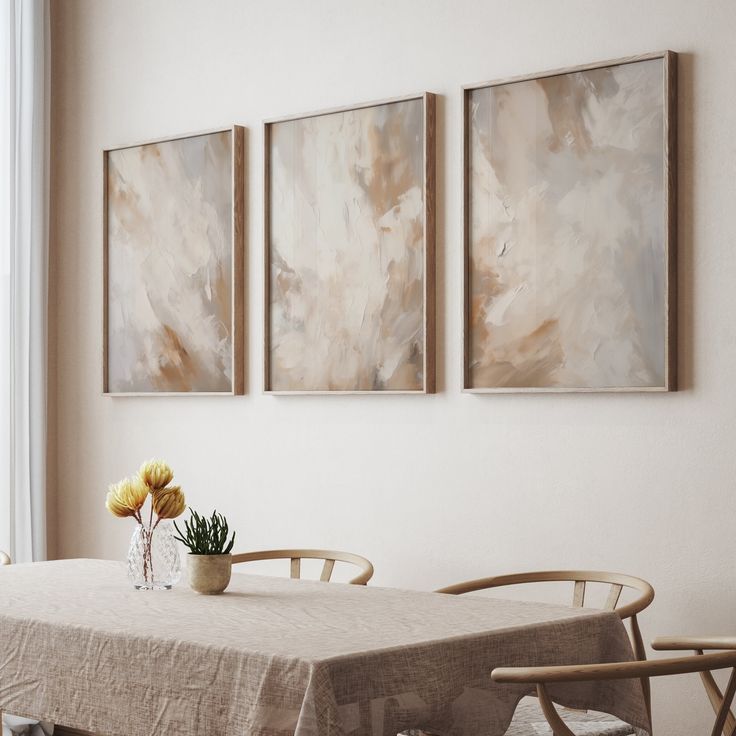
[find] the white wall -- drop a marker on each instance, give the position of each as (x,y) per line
(434,489)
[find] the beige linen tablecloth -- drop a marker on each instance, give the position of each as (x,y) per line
(274,656)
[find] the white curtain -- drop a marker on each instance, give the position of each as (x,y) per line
(24,79)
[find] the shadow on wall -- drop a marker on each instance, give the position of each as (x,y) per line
(685,220)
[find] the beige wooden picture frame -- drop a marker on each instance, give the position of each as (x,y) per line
(236,282)
(669,225)
(428,165)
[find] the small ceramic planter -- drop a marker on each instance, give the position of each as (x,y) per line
(209,574)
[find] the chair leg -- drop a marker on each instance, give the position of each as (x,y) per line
(640,653)
(716,700)
(559,727)
(719,727)
(365,717)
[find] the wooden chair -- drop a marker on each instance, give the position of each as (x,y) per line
(4,559)
(528,711)
(705,664)
(616,581)
(296,556)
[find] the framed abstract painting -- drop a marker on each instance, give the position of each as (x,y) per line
(570,229)
(173,265)
(349,249)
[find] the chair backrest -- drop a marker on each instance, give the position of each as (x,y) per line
(4,559)
(616,581)
(580,578)
(330,557)
(702,647)
(705,664)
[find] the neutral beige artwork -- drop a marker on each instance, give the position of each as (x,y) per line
(348,250)
(567,240)
(170,266)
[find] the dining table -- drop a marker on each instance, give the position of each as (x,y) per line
(275,656)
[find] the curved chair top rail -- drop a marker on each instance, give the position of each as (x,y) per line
(330,557)
(616,580)
(4,559)
(615,670)
(696,643)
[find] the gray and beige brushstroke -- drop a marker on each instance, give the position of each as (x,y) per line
(347,250)
(170,267)
(567,244)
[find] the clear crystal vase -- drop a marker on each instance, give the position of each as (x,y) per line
(153,558)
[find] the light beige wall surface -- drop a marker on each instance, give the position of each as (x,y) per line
(434,489)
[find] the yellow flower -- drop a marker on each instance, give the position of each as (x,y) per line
(168,503)
(116,507)
(133,492)
(156,474)
(126,497)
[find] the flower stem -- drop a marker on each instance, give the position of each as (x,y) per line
(148,549)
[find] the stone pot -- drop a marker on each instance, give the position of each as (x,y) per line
(209,574)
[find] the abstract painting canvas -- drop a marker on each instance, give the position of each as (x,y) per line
(569,230)
(350,249)
(173,266)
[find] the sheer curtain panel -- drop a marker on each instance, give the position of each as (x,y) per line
(24,77)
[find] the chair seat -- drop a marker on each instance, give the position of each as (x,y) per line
(530,721)
(16,726)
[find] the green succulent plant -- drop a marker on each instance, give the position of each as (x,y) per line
(205,536)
